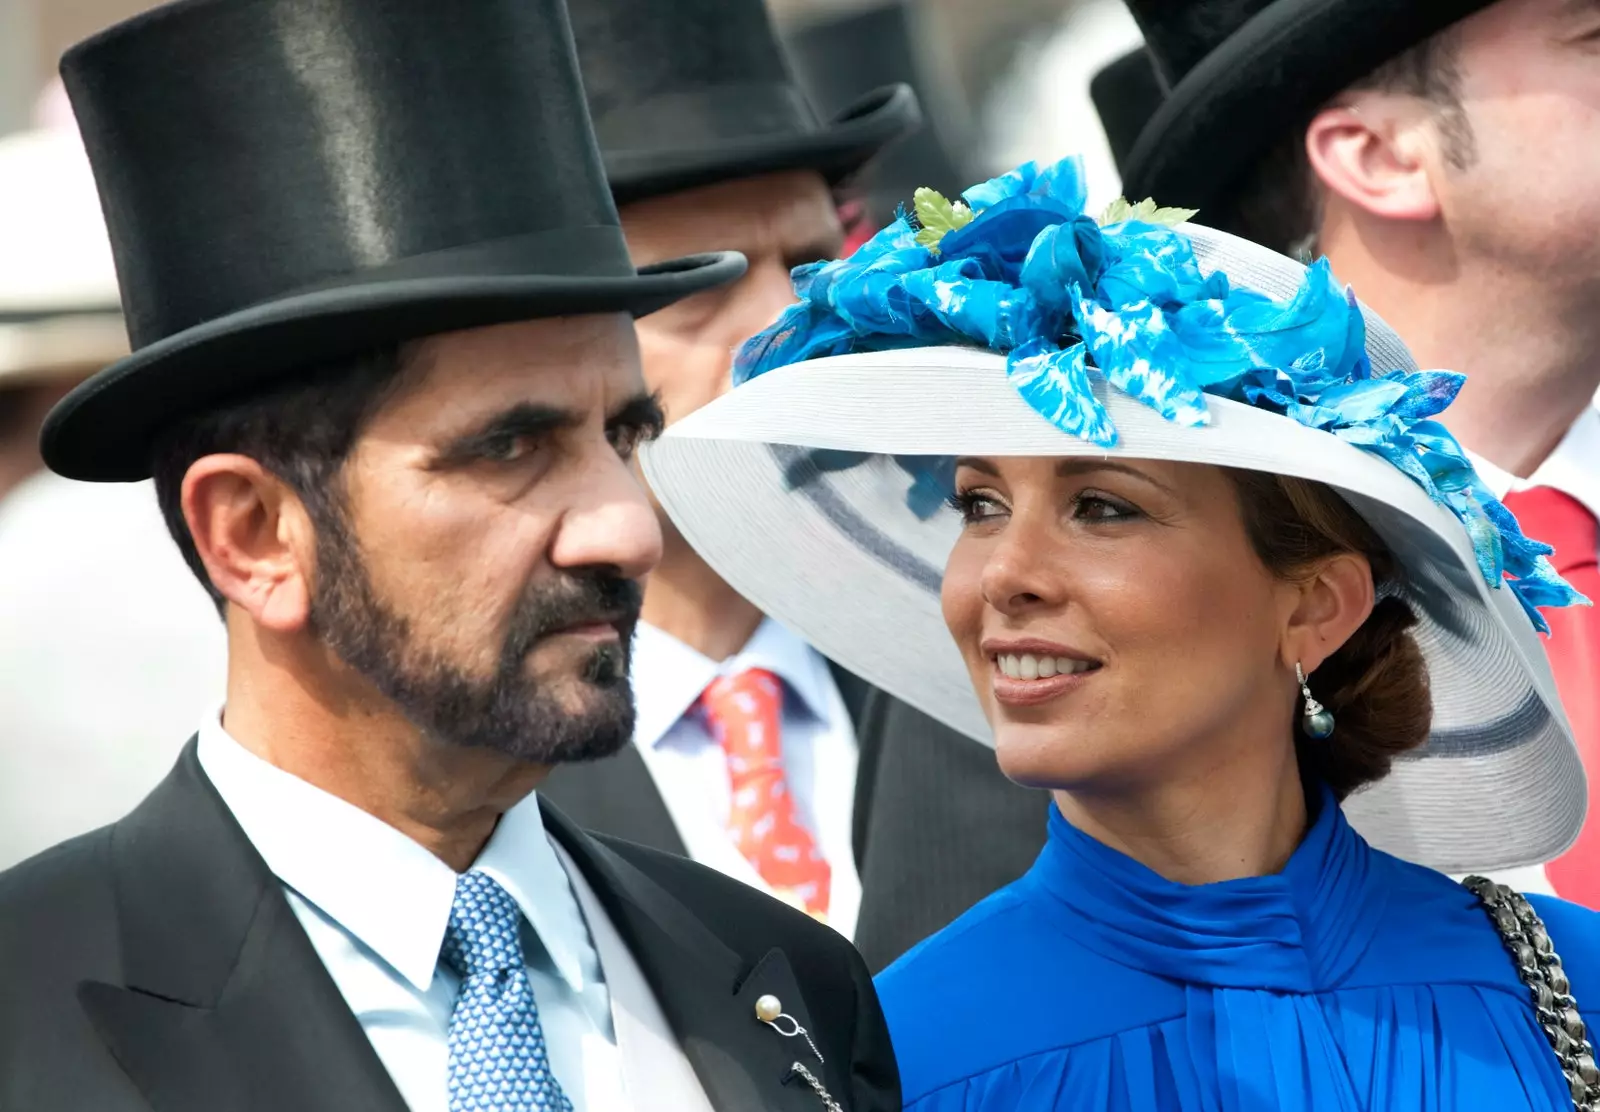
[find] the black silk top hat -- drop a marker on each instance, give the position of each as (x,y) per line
(689,92)
(841,57)
(287,183)
(1235,75)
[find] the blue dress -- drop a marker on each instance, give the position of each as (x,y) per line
(1352,980)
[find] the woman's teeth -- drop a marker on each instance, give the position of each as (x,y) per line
(1030,667)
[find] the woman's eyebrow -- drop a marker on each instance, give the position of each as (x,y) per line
(1071,466)
(1068,467)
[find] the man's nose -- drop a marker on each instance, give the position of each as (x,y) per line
(611,524)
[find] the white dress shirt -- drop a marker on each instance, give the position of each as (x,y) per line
(375,905)
(691,772)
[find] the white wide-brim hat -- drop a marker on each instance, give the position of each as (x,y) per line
(839,557)
(60,311)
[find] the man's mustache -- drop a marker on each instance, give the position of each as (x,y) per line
(593,598)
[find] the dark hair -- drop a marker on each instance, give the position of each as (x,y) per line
(1278,201)
(301,431)
(1376,683)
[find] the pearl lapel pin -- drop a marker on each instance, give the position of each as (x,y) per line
(769,1010)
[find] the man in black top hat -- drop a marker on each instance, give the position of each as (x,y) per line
(1443,156)
(859,809)
(385,377)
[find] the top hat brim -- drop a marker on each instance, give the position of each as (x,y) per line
(1265,79)
(104,430)
(836,150)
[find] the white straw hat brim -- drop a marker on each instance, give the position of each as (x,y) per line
(840,558)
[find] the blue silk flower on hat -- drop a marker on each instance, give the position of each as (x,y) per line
(1018,267)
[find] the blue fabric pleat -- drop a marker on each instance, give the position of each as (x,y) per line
(1349,982)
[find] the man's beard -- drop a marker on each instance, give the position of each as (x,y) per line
(507,712)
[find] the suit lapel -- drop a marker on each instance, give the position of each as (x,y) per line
(225,1006)
(707,992)
(618,796)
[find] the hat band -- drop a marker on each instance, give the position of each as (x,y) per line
(588,251)
(707,115)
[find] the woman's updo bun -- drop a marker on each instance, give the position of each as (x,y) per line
(1376,684)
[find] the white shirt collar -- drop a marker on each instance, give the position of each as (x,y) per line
(1573,468)
(668,675)
(384,889)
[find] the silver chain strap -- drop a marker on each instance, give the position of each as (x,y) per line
(1539,966)
(816,1086)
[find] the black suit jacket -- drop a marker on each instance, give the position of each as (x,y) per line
(155,966)
(936,826)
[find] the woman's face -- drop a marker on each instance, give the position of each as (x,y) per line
(1118,625)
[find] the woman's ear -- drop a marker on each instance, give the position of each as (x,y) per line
(1331,605)
(254,537)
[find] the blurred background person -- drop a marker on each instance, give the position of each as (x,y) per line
(1443,159)
(107,653)
(1042,108)
(753,754)
(59,316)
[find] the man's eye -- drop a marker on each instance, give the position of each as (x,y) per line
(507,448)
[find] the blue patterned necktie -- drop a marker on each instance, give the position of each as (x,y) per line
(498,1057)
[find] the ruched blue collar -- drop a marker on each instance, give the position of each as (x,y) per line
(1301,930)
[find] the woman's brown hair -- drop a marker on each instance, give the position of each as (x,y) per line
(1376,683)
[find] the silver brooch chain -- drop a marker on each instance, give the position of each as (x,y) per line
(1539,966)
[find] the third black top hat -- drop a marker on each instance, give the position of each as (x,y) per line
(840,57)
(1238,74)
(289,182)
(689,92)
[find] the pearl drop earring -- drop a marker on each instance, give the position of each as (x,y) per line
(1316,720)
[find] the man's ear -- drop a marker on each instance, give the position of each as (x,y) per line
(1331,605)
(1376,152)
(255,538)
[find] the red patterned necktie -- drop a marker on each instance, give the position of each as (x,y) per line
(1574,651)
(745,714)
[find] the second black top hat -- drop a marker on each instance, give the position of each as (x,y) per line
(689,92)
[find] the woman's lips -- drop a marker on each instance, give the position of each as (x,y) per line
(1023,680)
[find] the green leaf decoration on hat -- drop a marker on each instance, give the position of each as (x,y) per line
(939,216)
(1120,211)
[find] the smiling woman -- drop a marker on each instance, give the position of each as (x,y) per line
(1119,616)
(1166,519)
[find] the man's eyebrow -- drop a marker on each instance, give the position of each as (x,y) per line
(642,412)
(521,419)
